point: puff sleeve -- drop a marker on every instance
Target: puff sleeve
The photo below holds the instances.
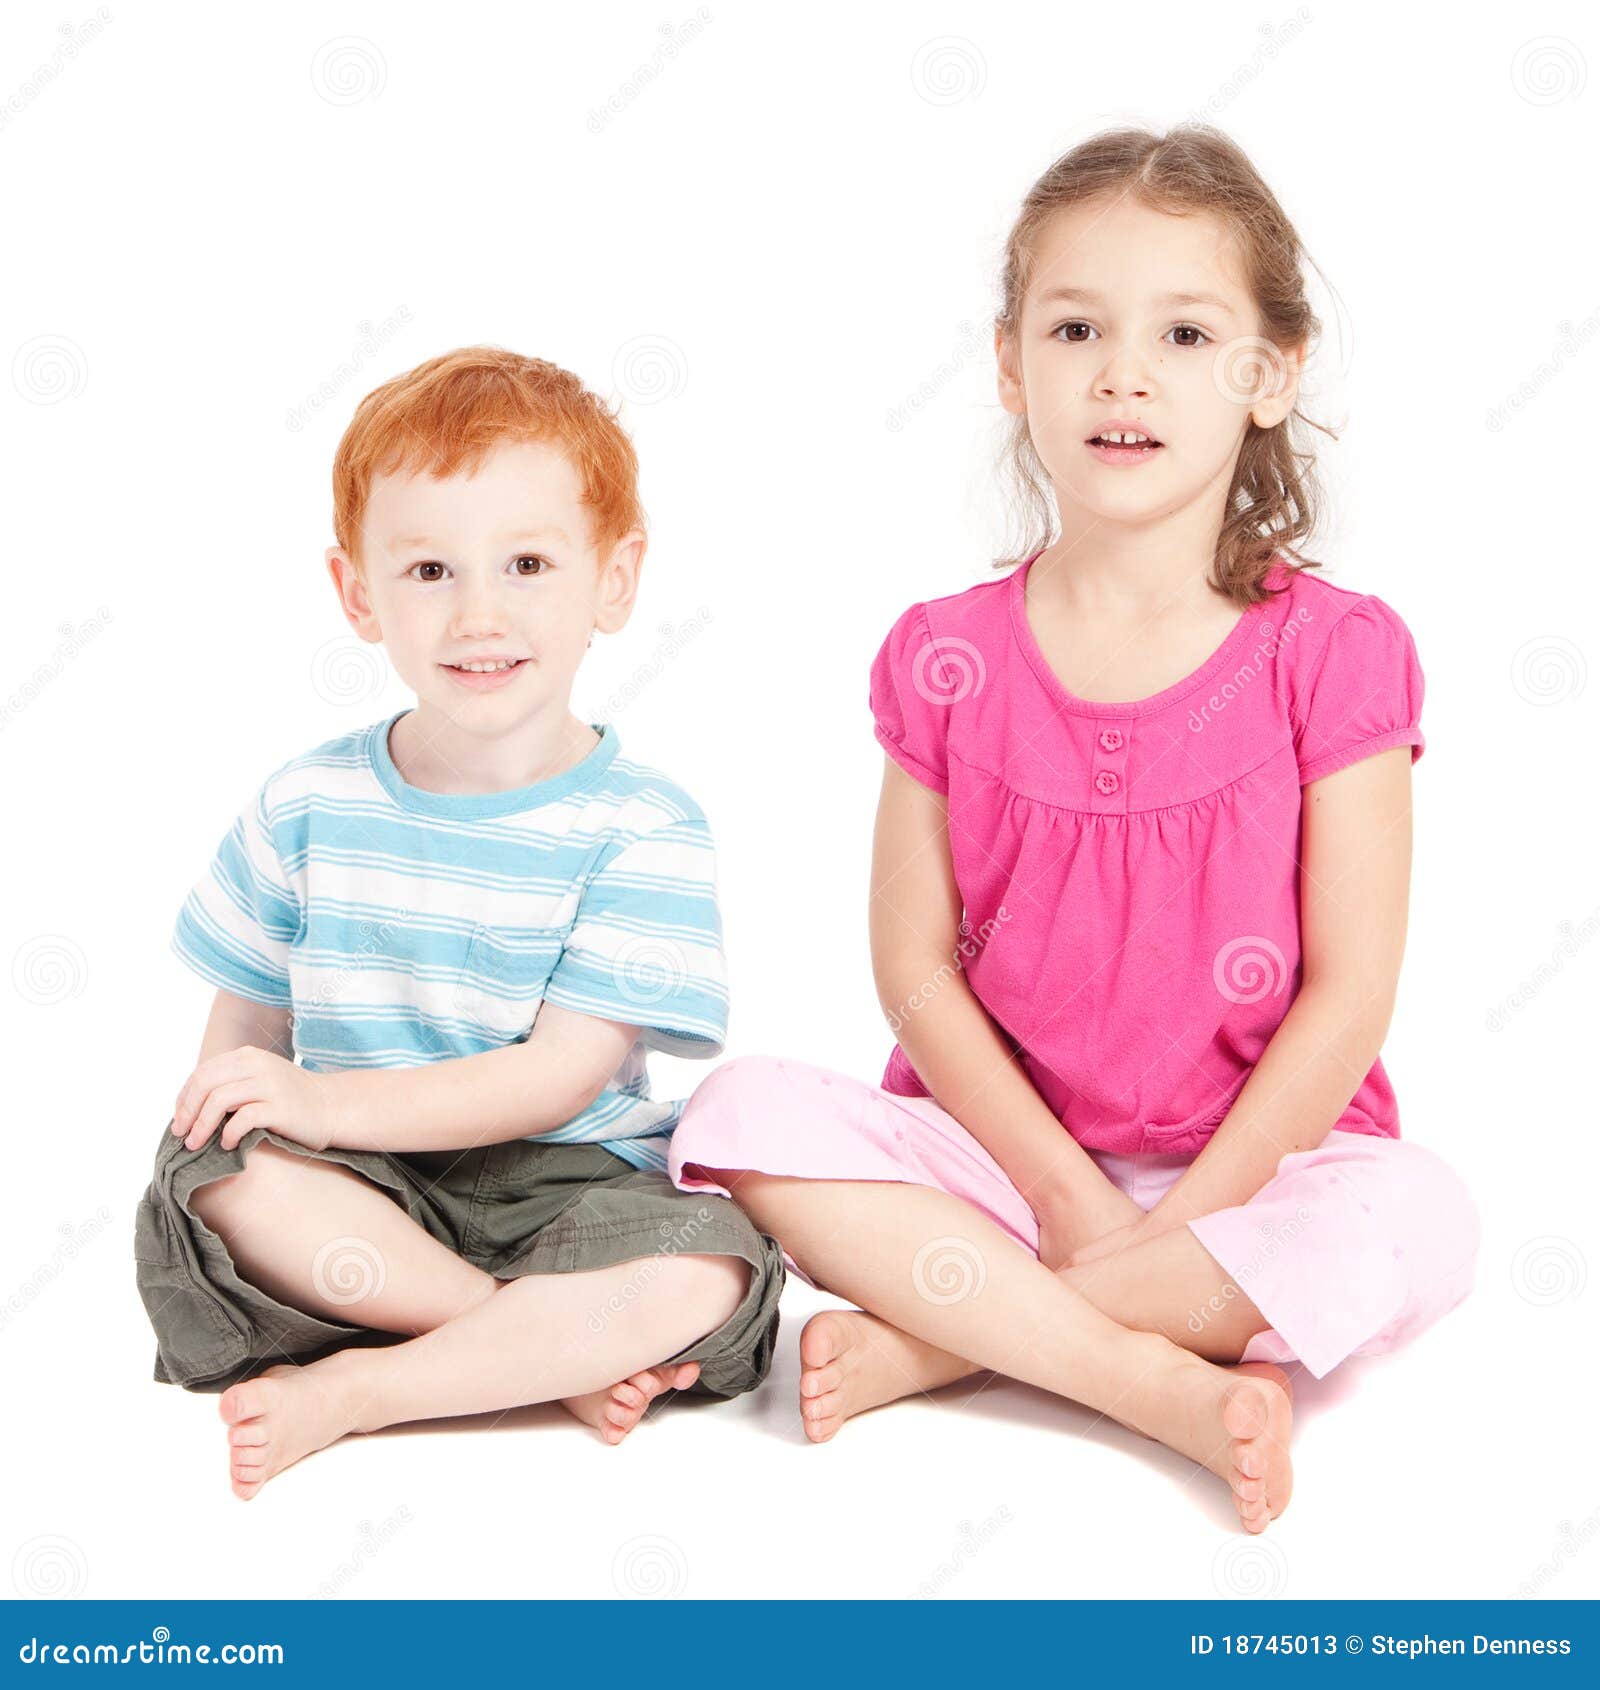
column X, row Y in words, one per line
column 912, row 689
column 1365, row 695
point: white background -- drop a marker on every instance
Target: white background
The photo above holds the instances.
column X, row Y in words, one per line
column 779, row 248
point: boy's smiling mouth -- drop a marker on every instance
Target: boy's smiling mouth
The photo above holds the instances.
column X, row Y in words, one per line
column 486, row 673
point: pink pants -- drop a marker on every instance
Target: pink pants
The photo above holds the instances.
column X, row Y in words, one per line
column 1352, row 1248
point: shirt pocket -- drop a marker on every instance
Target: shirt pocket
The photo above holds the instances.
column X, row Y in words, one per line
column 502, row 985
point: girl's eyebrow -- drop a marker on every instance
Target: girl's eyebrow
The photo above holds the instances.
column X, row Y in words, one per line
column 1090, row 297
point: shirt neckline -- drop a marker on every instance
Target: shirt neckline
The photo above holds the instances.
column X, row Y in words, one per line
column 1022, row 632
column 477, row 805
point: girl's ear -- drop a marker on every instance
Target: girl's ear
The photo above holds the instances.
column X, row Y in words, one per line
column 1009, row 378
column 1289, row 363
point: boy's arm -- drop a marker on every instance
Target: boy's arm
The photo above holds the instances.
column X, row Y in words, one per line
column 239, row 1021
column 518, row 1091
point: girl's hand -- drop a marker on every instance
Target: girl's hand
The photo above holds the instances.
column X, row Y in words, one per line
column 262, row 1089
column 1108, row 1245
column 1066, row 1226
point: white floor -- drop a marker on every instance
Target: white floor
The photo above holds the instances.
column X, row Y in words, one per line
column 1427, row 1475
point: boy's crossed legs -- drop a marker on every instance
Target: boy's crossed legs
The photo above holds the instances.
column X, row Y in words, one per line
column 594, row 1339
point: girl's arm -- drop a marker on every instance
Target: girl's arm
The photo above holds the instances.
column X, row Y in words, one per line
column 961, row 1055
column 1354, row 886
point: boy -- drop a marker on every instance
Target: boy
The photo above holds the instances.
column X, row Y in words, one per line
column 474, row 916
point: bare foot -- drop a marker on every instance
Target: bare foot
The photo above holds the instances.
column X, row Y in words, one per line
column 850, row 1362
column 285, row 1413
column 615, row 1411
column 1232, row 1420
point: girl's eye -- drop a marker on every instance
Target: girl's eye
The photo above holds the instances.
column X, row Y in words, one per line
column 1189, row 328
column 1073, row 340
column 533, row 574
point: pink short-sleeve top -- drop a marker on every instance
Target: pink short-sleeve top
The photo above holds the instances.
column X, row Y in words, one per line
column 1130, row 872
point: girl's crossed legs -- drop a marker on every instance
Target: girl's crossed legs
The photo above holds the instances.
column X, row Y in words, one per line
column 921, row 1226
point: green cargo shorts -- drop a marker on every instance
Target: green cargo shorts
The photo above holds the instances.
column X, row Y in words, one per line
column 510, row 1209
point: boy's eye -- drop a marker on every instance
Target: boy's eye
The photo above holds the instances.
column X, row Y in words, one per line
column 430, row 578
column 531, row 557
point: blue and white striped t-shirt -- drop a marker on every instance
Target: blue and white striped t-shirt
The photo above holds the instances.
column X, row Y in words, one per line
column 402, row 926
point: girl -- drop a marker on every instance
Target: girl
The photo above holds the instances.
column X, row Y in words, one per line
column 1139, row 888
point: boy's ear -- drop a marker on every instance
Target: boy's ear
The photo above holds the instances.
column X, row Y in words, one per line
column 353, row 598
column 618, row 585
column 1009, row 375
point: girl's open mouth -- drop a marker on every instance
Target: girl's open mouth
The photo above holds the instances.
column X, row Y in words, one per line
column 1124, row 450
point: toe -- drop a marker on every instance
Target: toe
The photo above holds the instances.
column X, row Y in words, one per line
column 628, row 1395
column 248, row 1432
column 686, row 1374
column 818, row 1381
column 820, row 1341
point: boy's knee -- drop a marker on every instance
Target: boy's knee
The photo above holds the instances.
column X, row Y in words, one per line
column 265, row 1165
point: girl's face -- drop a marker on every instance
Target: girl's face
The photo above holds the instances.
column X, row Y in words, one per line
column 1135, row 317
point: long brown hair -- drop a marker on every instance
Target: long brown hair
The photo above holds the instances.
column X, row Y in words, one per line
column 1275, row 500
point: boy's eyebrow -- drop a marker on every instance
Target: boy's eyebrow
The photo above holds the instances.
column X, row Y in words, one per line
column 400, row 542
column 1089, row 296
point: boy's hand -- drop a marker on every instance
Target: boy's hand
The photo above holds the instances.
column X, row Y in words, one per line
column 261, row 1089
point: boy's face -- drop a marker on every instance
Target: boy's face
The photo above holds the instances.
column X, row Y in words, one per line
column 471, row 568
column 1098, row 340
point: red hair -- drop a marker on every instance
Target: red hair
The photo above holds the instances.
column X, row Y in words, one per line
column 450, row 412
